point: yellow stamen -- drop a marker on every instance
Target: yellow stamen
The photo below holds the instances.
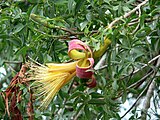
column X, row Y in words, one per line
column 49, row 80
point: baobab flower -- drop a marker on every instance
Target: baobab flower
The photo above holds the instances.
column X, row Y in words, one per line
column 49, row 79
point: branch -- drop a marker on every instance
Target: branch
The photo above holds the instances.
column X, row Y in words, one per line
column 146, row 104
column 101, row 62
column 150, row 87
column 147, row 20
column 139, row 82
column 145, row 65
column 139, row 96
column 44, row 22
column 52, row 36
column 135, row 85
column 99, row 66
column 126, row 14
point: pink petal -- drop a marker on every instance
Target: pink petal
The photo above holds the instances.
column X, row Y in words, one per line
column 78, row 45
column 82, row 72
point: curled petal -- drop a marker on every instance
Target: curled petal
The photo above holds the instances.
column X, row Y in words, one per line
column 82, row 68
column 77, row 49
column 92, row 83
column 76, row 44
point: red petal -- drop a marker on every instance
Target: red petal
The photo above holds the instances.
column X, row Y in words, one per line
column 92, row 83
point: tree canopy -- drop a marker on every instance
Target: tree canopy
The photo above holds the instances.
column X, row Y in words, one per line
column 124, row 36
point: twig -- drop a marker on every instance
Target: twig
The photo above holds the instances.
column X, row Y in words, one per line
column 131, row 74
column 12, row 68
column 13, row 62
column 35, row 61
column 139, row 9
column 65, row 36
column 139, row 82
column 135, row 21
column 132, row 23
column 45, row 23
column 100, row 68
column 126, row 14
column 53, row 36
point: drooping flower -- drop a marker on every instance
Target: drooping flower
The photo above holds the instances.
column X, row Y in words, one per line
column 49, row 79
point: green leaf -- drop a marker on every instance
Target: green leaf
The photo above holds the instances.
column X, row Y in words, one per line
column 76, row 94
column 71, row 5
column 21, row 51
column 22, row 86
column 124, row 96
column 115, row 8
column 15, row 41
column 79, row 4
column 35, row 1
column 89, row 16
column 97, row 101
column 131, row 90
column 115, row 85
column 2, row 106
column 125, row 8
column 79, row 108
column 142, row 20
column 87, row 112
column 47, row 114
column 63, row 94
column 18, row 28
column 155, row 11
column 83, row 25
column 96, row 95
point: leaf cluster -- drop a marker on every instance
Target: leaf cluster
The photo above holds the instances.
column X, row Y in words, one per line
column 135, row 41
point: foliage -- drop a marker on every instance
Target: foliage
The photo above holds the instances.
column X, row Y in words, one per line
column 41, row 30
